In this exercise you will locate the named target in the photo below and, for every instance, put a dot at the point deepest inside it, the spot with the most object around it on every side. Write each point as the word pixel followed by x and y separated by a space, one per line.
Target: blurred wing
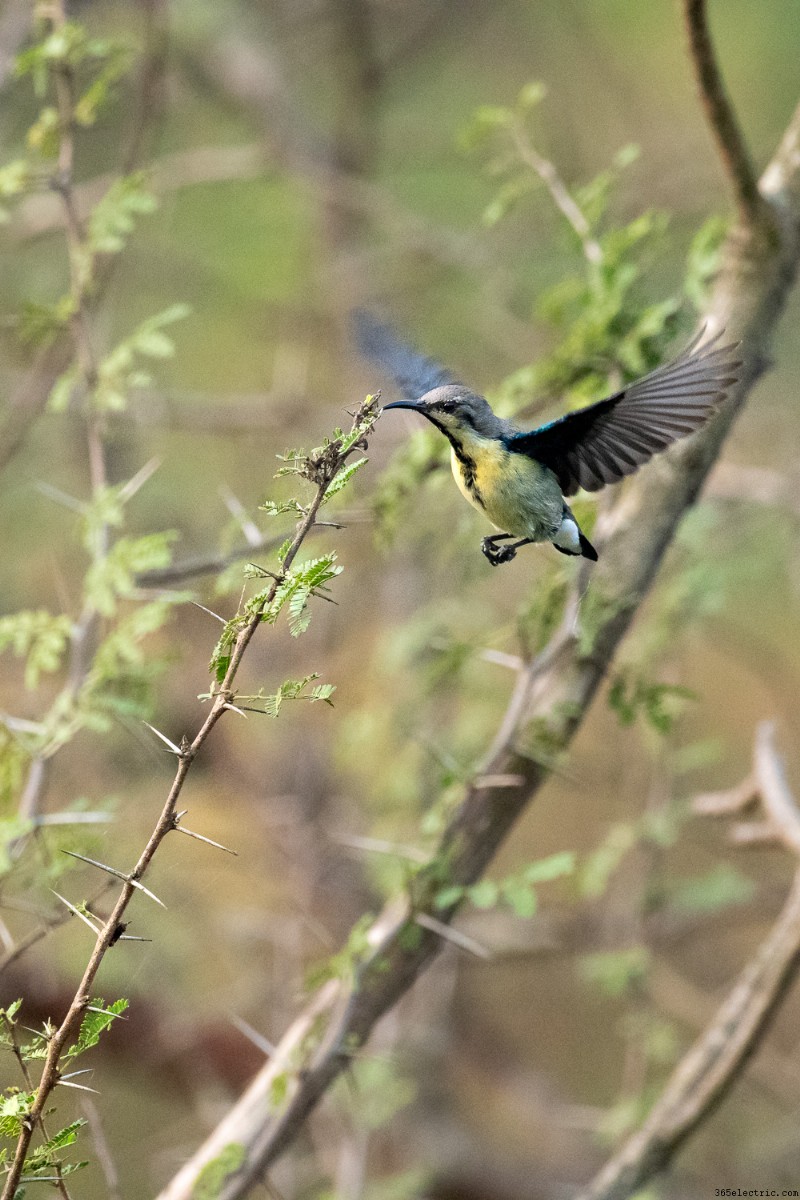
pixel 602 443
pixel 413 373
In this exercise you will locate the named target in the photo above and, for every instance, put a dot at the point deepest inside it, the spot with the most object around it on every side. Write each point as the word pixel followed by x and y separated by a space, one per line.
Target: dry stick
pixel 549 701
pixel 559 191
pixel 167 820
pixel 721 117
pixel 714 1063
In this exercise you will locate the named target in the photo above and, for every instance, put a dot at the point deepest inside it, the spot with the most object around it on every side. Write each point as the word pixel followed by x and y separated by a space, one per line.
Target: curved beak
pixel 412 404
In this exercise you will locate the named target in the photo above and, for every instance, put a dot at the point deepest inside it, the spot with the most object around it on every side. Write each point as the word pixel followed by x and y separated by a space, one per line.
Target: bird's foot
pixel 498 554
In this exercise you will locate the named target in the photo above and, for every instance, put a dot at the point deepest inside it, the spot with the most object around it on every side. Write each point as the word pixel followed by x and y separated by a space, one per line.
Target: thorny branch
pixel 550 699
pixel 321 470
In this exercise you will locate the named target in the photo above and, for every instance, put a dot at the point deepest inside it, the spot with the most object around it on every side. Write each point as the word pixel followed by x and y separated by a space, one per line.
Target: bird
pixel 519 479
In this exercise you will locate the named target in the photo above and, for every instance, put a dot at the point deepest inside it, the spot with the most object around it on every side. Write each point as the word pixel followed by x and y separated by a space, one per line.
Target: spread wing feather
pixel 413 373
pixel 613 438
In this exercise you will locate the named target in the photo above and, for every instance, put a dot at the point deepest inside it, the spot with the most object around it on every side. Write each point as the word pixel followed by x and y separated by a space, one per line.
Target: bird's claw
pixel 497 554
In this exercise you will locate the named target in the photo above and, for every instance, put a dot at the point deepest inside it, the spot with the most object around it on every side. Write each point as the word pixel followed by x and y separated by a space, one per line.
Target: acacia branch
pixel 550 699
pixel 722 118
pixel 322 469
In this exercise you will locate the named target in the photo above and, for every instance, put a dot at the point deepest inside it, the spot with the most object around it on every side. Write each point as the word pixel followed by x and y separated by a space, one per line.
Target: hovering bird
pixel 519 478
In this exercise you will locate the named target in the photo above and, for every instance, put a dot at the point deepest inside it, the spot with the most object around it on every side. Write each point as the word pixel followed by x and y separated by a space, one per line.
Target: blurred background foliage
pixel 309 156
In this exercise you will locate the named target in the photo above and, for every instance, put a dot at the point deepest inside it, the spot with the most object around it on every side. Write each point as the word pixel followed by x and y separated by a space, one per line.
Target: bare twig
pixel 102 1149
pixel 722 119
pixel 550 698
pixel 559 191
pixel 213 564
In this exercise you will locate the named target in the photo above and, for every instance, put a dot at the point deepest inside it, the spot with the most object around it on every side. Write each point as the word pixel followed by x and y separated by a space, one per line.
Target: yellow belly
pixel 518 495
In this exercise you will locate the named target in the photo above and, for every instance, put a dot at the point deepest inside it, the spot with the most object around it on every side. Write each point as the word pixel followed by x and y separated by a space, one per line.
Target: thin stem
pixel 82 638
pixel 721 117
pixel 562 197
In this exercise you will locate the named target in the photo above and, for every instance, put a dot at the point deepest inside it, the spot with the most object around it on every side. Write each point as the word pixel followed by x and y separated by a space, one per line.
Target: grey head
pixel 457 412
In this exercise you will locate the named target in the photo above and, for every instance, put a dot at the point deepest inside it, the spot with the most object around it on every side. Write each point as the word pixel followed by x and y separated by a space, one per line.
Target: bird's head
pixel 456 411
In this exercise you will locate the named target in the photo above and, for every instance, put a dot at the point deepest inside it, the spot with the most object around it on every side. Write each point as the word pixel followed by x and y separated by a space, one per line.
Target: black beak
pixel 412 404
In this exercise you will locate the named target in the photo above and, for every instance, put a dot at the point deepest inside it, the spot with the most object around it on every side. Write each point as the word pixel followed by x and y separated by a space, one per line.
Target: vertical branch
pixel 80 274
pixel 722 119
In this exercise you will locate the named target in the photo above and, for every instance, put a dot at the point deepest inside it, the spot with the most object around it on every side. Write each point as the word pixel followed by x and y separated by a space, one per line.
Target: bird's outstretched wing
pixel 602 443
pixel 413 373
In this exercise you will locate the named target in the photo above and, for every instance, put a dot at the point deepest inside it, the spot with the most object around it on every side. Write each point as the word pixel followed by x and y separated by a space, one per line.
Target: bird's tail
pixel 587 549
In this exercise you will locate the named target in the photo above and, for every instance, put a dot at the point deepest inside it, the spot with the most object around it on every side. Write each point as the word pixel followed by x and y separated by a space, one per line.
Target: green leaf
pixel 600 865
pixel 14 1108
pixel 95 1021
pixel 531 95
pixel 484 894
pixel 448 896
pixel 275 508
pixel 343 477
pixel 291 689
pixel 720 887
pixel 113 217
pixel 38 637
pixel 616 971
pixel 555 866
pixel 62 390
pixel 519 896
pixel 114 576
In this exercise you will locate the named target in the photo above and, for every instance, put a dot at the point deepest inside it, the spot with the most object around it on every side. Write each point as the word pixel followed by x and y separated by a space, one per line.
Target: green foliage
pixel 114 216
pixel 71 47
pixel 616 971
pixel 14 1108
pixel 15 178
pixel 718 888
pixel 345 962
pixel 212 1178
pixel 660 704
pixel 38 637
pixel 96 1020
pixel 47 1157
pixel 704 259
pixel 291 591
pixel 113 577
pixel 290 689
pixel 516 891
pixel 375 1093
pixel 343 477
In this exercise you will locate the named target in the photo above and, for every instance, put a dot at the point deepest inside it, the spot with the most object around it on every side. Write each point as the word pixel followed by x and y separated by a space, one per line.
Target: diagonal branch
pixel 321 469
pixel 548 704
pixel 722 118
pixel 711 1067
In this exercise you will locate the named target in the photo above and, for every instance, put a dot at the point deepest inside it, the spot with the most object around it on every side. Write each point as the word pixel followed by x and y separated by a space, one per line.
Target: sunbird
pixel 519 478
